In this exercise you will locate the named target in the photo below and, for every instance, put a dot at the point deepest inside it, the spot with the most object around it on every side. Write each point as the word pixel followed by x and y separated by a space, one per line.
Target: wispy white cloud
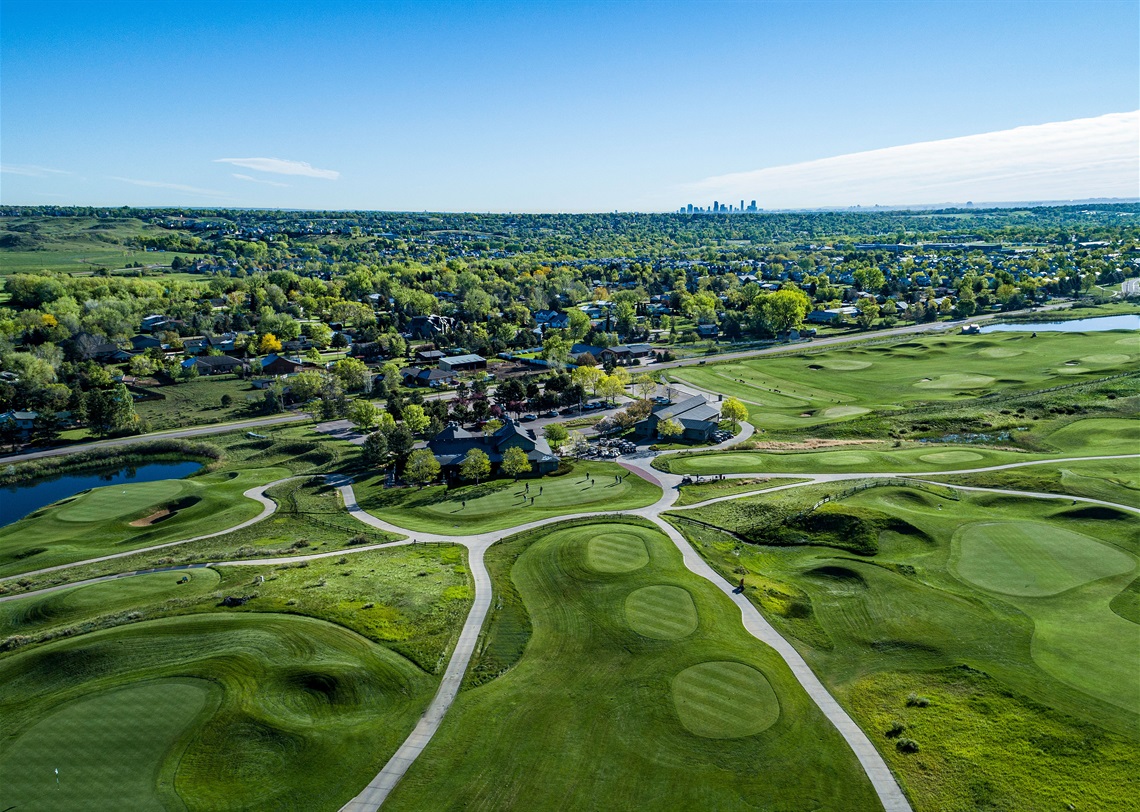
pixel 31 170
pixel 280 166
pixel 252 179
pixel 158 184
pixel 1091 157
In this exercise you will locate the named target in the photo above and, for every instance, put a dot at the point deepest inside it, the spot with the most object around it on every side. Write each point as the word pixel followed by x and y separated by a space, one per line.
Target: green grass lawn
pixel 199 402
pixel 112 519
pixel 812 389
pixel 503 503
pixel 692 494
pixel 1000 610
pixel 147 694
pixel 304 713
pixel 625 687
pixel 1090 437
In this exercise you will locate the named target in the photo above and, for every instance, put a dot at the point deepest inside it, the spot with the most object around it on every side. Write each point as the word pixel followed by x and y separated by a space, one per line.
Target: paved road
pixel 730 356
pixel 197 431
pixel 1130 287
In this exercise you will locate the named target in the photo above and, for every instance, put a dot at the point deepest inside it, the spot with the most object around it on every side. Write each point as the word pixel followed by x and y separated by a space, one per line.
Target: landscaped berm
pixel 614 678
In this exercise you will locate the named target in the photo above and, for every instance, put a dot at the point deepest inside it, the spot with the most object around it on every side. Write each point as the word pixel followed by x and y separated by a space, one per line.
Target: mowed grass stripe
pixel 616 552
pixel 661 612
pixel 724 700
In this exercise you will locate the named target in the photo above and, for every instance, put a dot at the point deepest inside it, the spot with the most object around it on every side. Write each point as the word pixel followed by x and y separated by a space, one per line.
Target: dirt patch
pixel 805 445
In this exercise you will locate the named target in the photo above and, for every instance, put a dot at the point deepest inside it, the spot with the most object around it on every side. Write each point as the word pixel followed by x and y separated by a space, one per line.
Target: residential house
pixel 552 319
pixel 195 345
pixel 141 342
pixel 833 315
pixel 429 356
pixel 462 363
pixel 23 422
pixel 424 376
pixel 275 364
pixel 708 331
pixel 430 326
pixel 213 364
pixel 451 445
pixel 627 354
pixel 698 418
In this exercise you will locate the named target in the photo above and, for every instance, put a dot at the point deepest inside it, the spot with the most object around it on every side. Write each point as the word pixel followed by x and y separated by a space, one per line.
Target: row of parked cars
pixel 569 410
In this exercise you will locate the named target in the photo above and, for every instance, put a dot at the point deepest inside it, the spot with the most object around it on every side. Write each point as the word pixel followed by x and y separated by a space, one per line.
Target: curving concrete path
pixel 377 791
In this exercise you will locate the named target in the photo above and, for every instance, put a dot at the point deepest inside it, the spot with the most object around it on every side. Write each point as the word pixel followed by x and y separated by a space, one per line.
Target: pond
pixel 1097 324
pixel 17 501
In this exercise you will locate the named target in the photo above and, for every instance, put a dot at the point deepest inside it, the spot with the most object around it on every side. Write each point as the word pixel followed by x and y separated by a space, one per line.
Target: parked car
pixel 551 413
pixel 526 418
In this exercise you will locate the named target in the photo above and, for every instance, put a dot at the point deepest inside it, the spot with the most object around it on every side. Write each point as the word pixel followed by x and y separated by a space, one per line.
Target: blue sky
pixel 537 106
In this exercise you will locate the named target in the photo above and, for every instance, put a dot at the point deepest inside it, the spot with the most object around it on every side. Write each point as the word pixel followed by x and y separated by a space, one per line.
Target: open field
pixel 1091 437
pixel 148 694
pixel 992 607
pixel 73 244
pixel 502 503
pixel 199 402
pixel 582 706
pixel 115 518
pixel 811 389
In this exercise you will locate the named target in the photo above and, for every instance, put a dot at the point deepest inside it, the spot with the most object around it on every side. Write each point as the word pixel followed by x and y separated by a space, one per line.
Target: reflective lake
pixel 1093 325
pixel 17 501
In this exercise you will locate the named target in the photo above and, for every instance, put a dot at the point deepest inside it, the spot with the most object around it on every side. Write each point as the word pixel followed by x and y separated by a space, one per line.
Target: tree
pixel 475 465
pixel 400 441
pixel 869 279
pixel 363 414
pixel 351 372
pixel 732 409
pixel 515 462
pixel 110 410
pixel 868 312
pixel 668 429
pixel 644 385
pixel 415 418
pixel 556 350
pixel 588 377
pixel 610 387
pixel 422 467
pixel 375 448
pixel 491 426
pixel 268 343
pixel 556 434
pixel 783 310
pixel 306 385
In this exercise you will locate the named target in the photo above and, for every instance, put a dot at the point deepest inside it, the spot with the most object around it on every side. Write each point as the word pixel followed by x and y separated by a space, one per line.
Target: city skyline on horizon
pixel 441 106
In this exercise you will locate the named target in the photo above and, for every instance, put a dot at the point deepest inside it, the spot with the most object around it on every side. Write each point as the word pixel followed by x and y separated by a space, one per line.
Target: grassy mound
pixel 1034 559
pixel 661 612
pixel 617 552
pixel 271 740
pixel 724 700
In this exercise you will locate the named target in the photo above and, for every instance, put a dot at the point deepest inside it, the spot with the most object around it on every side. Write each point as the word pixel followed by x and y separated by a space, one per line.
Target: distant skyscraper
pixel 716 205
pixel 741 205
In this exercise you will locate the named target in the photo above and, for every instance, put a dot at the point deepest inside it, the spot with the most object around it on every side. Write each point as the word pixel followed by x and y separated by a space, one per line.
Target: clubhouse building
pixel 451 445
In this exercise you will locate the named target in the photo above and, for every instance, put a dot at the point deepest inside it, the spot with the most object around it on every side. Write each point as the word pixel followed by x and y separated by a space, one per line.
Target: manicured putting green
pixel 116 501
pixel 724 700
pixel 843 411
pixel 951 456
pixel 616 552
pixel 1034 559
pixel 661 612
pixel 109 748
pixel 1106 358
